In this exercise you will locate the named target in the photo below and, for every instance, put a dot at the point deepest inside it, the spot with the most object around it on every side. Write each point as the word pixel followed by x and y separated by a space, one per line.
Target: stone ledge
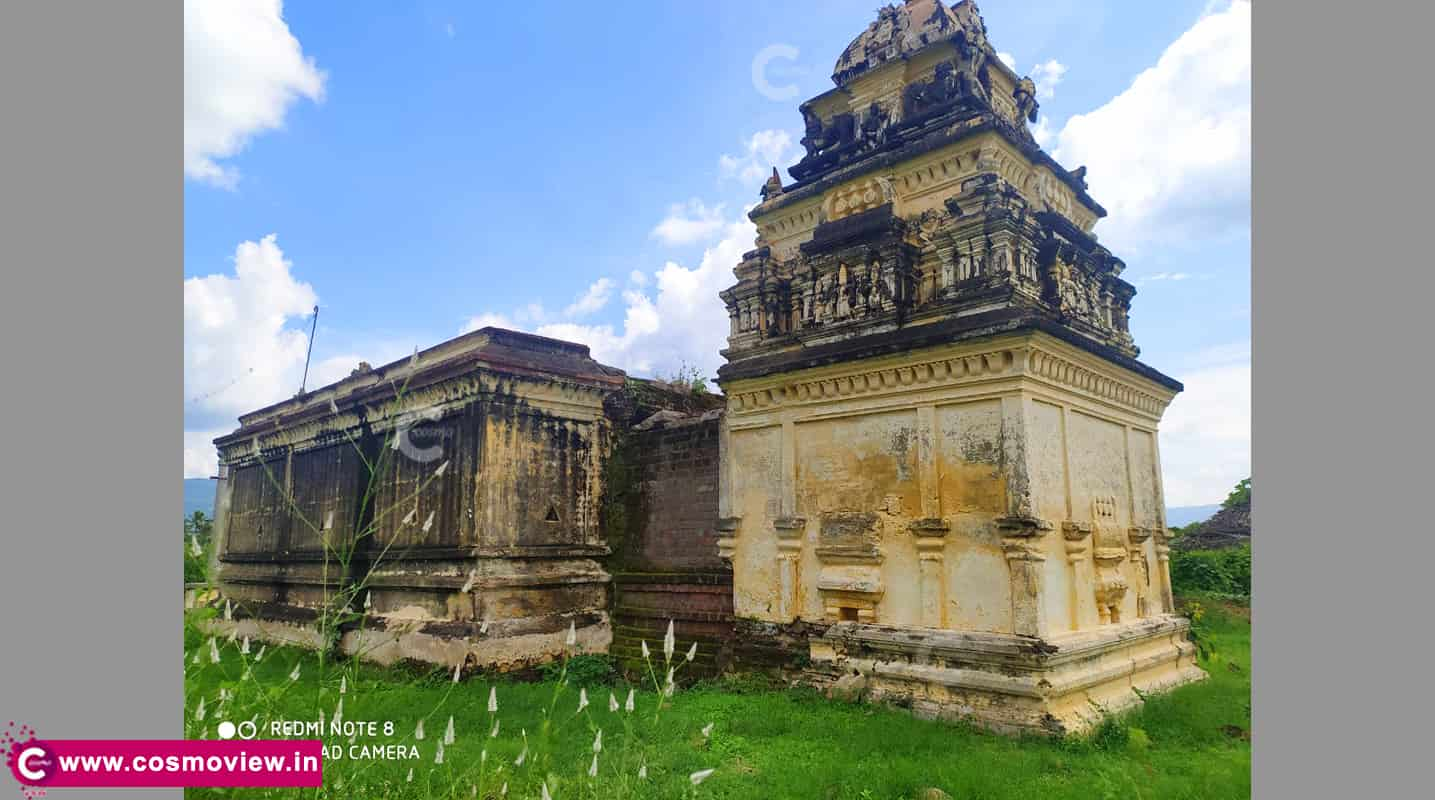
pixel 1012 683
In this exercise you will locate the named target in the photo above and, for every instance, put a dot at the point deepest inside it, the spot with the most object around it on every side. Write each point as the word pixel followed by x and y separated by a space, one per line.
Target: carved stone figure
pixel 874 126
pixel 825 136
pixel 1080 175
pixel 1025 96
pixel 973 78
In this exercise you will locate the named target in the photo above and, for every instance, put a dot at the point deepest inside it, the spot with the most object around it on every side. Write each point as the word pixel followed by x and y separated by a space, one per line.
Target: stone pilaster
pixel 1021 542
pixel 1077 538
pixel 931 539
pixel 789 532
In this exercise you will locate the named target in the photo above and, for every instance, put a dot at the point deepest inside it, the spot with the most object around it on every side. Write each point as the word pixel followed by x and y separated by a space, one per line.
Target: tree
pixel 198 530
pixel 1239 496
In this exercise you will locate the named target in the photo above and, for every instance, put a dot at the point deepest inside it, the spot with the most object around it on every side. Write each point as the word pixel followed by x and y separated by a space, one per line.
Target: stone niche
pixel 939 459
pixel 486 562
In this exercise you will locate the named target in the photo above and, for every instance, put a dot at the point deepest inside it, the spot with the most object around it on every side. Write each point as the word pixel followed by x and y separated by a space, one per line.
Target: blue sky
pixel 582 170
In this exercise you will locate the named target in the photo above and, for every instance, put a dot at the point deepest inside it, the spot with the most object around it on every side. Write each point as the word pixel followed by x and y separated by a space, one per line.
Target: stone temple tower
pixel 940 473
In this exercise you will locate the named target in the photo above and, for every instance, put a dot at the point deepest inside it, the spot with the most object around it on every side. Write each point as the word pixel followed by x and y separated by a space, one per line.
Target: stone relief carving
pixel 1109 550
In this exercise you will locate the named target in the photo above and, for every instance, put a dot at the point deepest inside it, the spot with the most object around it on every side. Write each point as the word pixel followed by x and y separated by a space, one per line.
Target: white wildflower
pixel 228 611
pixel 628 705
pixel 483 628
pixel 438 754
pixel 669 642
pixel 643 772
pixel 419 731
pixel 368 600
pixel 448 732
pixel 612 701
pixel 483 756
pixel 582 699
pixel 194 547
pixel 329 521
pixel 428 523
pixel 343 684
pixel 593 770
pixel 199 712
pixel 700 776
pixel 457 671
pixel 195 660
pixel 493 699
pixel 522 757
pixel 493 733
pixel 409 518
pixel 247 675
pixel 693 651
pixel 468 584
pixel 260 655
pixel 244 646
pixel 546 795
pixel 410 778
pixel 645 650
pixel 707 730
pixel 503 792
pixel 233 635
pixel 294 676
pixel 572 634
pixel 442 468
pixel 213 651
pixel 598 742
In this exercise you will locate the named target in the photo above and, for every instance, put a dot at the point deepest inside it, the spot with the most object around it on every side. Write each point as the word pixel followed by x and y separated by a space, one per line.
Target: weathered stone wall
pixel 451 501
pixel 666 564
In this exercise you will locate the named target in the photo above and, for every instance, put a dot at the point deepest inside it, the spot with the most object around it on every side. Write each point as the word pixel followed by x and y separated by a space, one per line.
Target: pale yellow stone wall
pixel 955 437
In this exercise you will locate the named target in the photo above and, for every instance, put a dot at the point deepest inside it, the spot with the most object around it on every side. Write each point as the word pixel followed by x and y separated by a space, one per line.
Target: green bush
pixel 583 670
pixel 1225 572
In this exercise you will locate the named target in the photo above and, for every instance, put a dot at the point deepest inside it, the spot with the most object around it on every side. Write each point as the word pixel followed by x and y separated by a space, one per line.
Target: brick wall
pixel 666 566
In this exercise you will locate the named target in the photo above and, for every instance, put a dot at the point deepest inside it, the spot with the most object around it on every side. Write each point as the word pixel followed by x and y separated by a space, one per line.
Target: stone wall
pixel 666 564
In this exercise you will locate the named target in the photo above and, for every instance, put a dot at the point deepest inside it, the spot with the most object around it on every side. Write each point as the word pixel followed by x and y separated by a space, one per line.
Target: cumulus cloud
pixel 1206 433
pixel 1046 76
pixel 688 222
pixel 201 460
pixel 241 350
pixel 680 320
pixel 592 300
pixel 761 152
pixel 243 69
pixel 1170 157
pixel 1007 58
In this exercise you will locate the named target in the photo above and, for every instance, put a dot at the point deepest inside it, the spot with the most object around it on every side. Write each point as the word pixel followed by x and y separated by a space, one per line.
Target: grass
pixel 765 743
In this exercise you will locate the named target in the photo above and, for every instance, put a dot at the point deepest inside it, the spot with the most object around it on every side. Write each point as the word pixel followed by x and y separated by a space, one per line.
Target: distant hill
pixel 1180 516
pixel 199 496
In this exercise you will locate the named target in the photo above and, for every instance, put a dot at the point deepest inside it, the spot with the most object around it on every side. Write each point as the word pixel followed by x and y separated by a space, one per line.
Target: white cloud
pixel 1007 58
pixel 761 152
pixel 1046 76
pixel 240 352
pixel 201 460
pixel 243 69
pixel 682 321
pixel 1206 433
pixel 1170 157
pixel 592 300
pixel 688 222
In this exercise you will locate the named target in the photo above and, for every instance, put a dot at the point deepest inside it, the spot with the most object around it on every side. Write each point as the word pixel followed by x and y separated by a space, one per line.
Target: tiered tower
pixel 940 462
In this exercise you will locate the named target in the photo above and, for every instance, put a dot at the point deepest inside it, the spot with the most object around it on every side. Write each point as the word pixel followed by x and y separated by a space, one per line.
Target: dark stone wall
pixel 665 564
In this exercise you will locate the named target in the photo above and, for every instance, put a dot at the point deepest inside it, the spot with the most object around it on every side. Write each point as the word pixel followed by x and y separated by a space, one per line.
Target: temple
pixel 940 464
pixel 933 477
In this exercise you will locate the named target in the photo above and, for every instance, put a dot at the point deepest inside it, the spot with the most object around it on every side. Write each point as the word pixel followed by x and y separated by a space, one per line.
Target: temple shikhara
pixel 932 478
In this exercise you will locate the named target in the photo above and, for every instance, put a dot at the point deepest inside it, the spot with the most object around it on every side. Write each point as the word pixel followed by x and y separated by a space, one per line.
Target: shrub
pixel 1225 572
pixel 583 670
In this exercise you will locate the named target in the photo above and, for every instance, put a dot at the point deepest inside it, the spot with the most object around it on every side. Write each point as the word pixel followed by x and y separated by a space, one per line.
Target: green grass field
pixel 764 743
